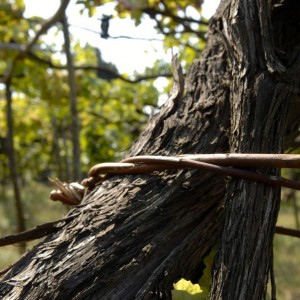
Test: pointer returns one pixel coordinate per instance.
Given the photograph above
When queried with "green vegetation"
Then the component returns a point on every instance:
(39, 209)
(186, 290)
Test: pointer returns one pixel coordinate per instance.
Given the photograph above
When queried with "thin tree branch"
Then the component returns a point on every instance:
(21, 224)
(153, 12)
(20, 48)
(218, 163)
(184, 21)
(148, 164)
(72, 100)
(288, 231)
(112, 74)
(43, 230)
(45, 27)
(251, 160)
(170, 32)
(36, 232)
(57, 17)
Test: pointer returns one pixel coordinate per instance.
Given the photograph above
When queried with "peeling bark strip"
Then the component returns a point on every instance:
(135, 236)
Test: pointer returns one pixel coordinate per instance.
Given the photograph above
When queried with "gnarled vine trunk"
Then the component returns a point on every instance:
(259, 99)
(135, 235)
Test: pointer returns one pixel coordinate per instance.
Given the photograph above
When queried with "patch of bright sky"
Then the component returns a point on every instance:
(128, 55)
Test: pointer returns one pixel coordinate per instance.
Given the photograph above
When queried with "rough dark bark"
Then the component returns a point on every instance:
(134, 236)
(261, 91)
(129, 234)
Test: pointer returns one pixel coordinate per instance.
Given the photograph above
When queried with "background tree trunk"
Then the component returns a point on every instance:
(76, 175)
(134, 236)
(20, 218)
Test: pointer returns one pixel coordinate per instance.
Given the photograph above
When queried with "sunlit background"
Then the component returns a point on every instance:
(127, 55)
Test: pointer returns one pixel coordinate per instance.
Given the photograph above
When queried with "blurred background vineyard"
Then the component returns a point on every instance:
(64, 108)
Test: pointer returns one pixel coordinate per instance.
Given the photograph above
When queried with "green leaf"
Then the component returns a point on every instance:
(186, 290)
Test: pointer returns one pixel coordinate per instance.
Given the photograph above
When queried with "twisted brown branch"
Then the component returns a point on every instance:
(218, 163)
